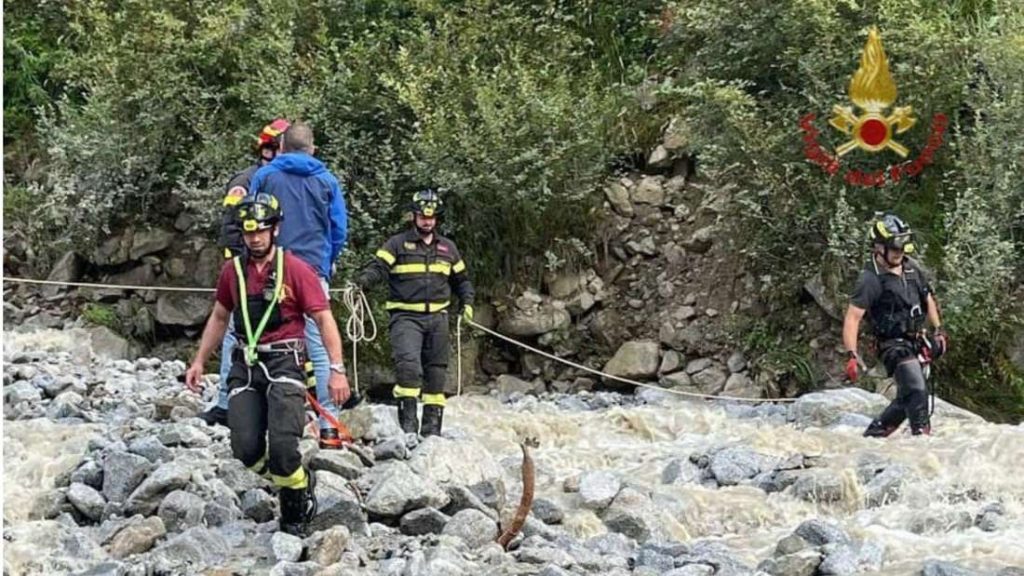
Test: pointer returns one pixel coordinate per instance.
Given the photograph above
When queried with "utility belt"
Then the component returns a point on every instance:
(293, 346)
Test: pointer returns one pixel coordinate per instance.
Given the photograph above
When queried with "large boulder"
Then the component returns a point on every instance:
(67, 269)
(142, 275)
(827, 407)
(338, 505)
(122, 473)
(598, 488)
(618, 197)
(650, 190)
(113, 251)
(636, 359)
(454, 461)
(399, 490)
(149, 242)
(168, 477)
(106, 342)
(181, 510)
(137, 537)
(182, 309)
(547, 317)
(474, 527)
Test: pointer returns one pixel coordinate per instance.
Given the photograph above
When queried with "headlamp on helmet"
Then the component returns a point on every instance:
(427, 203)
(257, 213)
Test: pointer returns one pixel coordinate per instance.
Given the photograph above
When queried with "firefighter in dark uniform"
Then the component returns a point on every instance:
(267, 144)
(423, 268)
(270, 291)
(896, 295)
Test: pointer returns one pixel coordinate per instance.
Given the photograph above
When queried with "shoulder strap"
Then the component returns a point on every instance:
(253, 338)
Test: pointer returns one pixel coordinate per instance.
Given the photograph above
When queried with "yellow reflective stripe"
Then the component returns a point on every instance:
(260, 467)
(400, 391)
(296, 480)
(416, 306)
(441, 268)
(459, 266)
(434, 399)
(228, 254)
(409, 269)
(386, 256)
(880, 226)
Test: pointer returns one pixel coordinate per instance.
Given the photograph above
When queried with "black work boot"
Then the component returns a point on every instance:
(432, 416)
(407, 417)
(293, 511)
(215, 415)
(879, 430)
(298, 507)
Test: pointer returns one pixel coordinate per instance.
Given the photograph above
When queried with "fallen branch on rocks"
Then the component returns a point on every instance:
(526, 501)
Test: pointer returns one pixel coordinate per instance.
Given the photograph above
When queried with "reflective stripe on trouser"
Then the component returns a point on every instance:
(419, 348)
(266, 415)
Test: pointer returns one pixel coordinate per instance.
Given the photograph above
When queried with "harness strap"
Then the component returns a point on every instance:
(253, 338)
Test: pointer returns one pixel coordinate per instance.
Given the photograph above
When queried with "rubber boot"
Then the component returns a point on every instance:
(215, 415)
(879, 430)
(293, 511)
(432, 416)
(407, 417)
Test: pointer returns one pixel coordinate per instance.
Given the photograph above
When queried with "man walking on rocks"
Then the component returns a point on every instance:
(267, 144)
(422, 268)
(270, 292)
(315, 231)
(897, 296)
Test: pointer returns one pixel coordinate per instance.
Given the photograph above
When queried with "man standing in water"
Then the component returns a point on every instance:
(896, 295)
(271, 293)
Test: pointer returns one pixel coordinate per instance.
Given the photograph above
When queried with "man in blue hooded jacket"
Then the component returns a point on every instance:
(314, 228)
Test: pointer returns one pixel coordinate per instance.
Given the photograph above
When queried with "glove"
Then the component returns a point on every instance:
(852, 367)
(467, 313)
(940, 343)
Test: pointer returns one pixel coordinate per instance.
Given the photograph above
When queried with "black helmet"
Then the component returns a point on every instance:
(427, 203)
(891, 231)
(259, 212)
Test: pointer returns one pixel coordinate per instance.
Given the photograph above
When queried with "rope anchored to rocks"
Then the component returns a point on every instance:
(607, 376)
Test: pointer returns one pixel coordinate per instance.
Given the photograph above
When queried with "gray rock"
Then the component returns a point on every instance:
(168, 477)
(181, 434)
(648, 558)
(137, 538)
(67, 269)
(943, 568)
(819, 532)
(400, 490)
(840, 560)
(462, 498)
(86, 500)
(52, 387)
(534, 322)
(456, 461)
(106, 342)
(886, 486)
(737, 362)
(628, 522)
(112, 568)
(637, 359)
(611, 544)
(66, 405)
(852, 420)
(182, 309)
(618, 197)
(545, 555)
(790, 545)
(150, 242)
(286, 547)
(825, 408)
(259, 505)
(47, 505)
(122, 473)
(650, 190)
(150, 448)
(239, 478)
(701, 240)
(715, 555)
(21, 391)
(285, 568)
(735, 464)
(547, 511)
(680, 471)
(803, 563)
(939, 521)
(710, 380)
(423, 521)
(341, 462)
(142, 275)
(475, 528)
(190, 551)
(990, 519)
(89, 473)
(328, 546)
(676, 380)
(692, 570)
(507, 384)
(217, 514)
(181, 510)
(818, 485)
(598, 488)
(740, 385)
(671, 361)
(338, 505)
(393, 448)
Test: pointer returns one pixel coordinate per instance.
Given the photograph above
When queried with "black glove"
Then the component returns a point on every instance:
(940, 343)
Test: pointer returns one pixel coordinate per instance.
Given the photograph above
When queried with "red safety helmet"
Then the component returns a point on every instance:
(271, 133)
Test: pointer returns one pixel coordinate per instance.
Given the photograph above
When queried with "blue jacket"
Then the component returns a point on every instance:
(315, 222)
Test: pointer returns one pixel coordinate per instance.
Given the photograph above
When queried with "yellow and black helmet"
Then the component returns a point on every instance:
(427, 203)
(259, 212)
(891, 231)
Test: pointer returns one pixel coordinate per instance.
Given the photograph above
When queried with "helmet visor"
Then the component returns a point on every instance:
(903, 242)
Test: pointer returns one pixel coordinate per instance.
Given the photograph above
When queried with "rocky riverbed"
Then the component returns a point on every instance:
(107, 471)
